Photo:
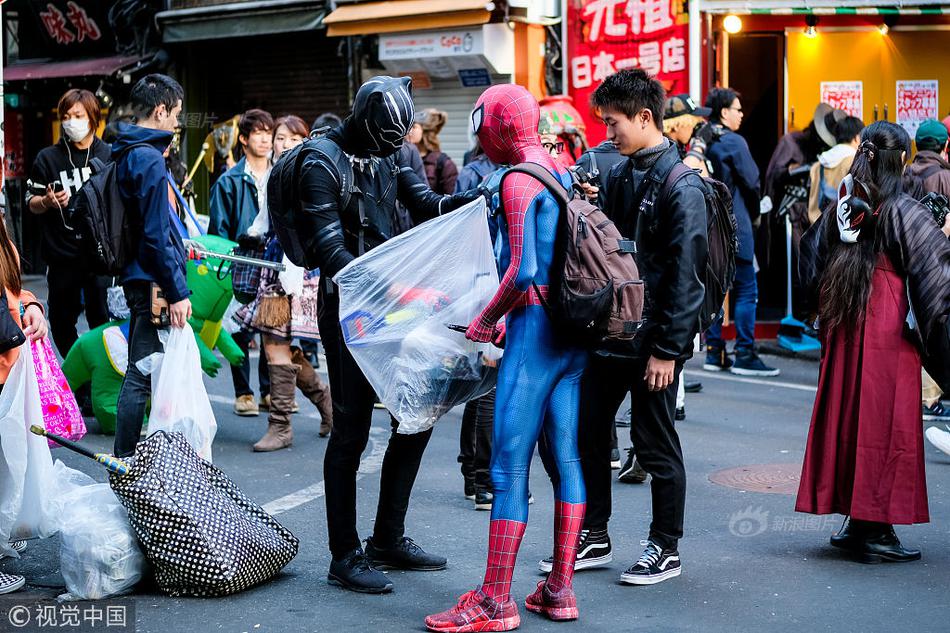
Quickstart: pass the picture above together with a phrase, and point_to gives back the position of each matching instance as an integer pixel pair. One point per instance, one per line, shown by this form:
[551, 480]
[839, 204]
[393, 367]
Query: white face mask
[76, 129]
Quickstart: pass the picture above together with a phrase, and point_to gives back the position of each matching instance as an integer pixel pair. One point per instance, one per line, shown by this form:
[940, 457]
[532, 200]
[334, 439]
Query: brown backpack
[595, 294]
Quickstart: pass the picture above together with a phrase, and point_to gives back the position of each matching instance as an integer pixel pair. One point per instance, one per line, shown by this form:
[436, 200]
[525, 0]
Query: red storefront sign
[604, 36]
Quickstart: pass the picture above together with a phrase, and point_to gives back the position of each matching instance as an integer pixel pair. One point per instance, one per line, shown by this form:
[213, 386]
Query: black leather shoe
[353, 572]
[405, 554]
[884, 546]
[848, 537]
[693, 386]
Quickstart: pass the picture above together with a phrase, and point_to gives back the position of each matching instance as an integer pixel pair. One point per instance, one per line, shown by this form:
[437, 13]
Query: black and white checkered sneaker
[10, 583]
[655, 565]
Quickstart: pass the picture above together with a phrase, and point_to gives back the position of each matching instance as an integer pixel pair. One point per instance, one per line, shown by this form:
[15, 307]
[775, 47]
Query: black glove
[251, 242]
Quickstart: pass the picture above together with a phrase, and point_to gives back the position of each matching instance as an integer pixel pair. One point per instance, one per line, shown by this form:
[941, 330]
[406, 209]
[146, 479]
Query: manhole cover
[779, 479]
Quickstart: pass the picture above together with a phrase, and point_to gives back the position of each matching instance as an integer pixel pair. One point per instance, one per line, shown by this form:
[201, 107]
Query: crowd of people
[866, 243]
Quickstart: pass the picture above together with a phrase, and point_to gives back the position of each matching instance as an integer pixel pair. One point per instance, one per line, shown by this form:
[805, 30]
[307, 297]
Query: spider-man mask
[505, 120]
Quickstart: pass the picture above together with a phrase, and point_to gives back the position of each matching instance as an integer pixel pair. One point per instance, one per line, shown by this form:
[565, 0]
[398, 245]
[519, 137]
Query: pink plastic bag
[61, 413]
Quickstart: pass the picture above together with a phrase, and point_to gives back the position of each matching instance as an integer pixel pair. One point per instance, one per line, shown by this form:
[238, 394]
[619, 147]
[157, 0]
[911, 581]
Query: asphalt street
[749, 562]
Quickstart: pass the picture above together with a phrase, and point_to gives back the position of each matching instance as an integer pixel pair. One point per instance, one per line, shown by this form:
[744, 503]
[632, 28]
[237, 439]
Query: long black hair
[846, 282]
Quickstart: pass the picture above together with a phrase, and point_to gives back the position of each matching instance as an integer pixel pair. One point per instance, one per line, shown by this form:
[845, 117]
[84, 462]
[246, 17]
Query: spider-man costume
[538, 383]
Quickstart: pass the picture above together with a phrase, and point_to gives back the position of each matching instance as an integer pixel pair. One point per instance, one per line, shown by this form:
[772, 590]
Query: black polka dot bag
[202, 535]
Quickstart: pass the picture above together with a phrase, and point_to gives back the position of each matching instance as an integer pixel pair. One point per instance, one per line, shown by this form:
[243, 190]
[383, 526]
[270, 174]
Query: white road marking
[752, 381]
[370, 464]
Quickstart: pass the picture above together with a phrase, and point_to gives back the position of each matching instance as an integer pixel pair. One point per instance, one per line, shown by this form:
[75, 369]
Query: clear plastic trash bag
[179, 400]
[27, 479]
[396, 303]
[99, 554]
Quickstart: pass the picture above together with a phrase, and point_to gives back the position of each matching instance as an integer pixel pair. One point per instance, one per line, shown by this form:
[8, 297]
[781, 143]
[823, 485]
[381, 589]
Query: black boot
[354, 572]
[882, 545]
[405, 554]
[849, 536]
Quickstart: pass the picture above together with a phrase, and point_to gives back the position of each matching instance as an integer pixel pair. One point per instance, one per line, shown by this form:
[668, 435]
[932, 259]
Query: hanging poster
[844, 95]
[916, 101]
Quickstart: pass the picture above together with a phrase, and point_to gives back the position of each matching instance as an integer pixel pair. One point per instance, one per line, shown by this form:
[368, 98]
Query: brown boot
[317, 391]
[282, 386]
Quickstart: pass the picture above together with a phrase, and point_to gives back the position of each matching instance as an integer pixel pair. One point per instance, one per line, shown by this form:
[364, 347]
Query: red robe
[865, 452]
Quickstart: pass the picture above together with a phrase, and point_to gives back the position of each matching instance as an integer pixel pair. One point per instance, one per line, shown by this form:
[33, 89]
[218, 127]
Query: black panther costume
[348, 188]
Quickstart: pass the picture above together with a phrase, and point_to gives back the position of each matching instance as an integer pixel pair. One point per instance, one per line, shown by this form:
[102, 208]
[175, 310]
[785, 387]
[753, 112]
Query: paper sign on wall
[844, 95]
[916, 101]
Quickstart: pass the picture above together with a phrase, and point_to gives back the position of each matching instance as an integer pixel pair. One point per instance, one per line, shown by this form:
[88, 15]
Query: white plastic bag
[99, 554]
[27, 482]
[179, 401]
[396, 303]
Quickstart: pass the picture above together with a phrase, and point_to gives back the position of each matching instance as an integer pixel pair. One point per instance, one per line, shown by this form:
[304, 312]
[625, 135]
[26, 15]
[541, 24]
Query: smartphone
[57, 186]
[161, 316]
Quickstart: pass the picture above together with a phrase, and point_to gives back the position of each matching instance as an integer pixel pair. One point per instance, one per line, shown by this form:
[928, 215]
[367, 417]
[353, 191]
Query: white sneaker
[939, 438]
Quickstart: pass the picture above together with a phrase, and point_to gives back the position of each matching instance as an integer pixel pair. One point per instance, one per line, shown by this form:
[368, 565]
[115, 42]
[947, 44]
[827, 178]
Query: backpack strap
[680, 170]
[558, 190]
[546, 178]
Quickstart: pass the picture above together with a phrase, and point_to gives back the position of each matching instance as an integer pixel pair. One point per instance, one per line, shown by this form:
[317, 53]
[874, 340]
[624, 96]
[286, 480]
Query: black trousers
[603, 388]
[136, 387]
[352, 418]
[241, 374]
[71, 289]
[475, 441]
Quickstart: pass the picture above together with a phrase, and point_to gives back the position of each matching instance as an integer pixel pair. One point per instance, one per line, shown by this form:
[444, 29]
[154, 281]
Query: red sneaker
[554, 606]
[476, 612]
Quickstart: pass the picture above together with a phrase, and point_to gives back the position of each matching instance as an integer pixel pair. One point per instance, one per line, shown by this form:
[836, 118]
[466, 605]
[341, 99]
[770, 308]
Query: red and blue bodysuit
[539, 379]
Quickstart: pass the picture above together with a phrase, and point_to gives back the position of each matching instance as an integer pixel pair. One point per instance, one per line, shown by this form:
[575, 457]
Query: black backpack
[283, 196]
[722, 236]
[106, 235]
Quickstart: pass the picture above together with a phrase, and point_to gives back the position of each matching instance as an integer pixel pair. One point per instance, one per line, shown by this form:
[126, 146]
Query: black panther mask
[382, 116]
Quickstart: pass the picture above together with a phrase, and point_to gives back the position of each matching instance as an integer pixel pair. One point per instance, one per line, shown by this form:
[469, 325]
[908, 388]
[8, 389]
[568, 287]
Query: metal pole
[695, 52]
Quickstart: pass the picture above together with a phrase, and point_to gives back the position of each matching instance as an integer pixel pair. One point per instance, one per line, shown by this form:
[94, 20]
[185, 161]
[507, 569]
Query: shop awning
[406, 15]
[822, 7]
[240, 19]
[99, 66]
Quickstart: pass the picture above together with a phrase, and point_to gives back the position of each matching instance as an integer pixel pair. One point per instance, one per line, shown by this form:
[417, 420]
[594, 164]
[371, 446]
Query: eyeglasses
[557, 147]
[739, 109]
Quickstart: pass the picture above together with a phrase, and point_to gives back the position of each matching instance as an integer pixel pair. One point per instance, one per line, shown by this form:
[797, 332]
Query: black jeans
[603, 388]
[241, 374]
[136, 387]
[352, 418]
[71, 288]
[475, 441]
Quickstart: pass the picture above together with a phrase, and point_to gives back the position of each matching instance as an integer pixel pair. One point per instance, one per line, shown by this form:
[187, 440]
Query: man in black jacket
[370, 138]
[672, 251]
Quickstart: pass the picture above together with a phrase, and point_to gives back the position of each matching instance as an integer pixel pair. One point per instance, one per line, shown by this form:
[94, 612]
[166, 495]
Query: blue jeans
[746, 295]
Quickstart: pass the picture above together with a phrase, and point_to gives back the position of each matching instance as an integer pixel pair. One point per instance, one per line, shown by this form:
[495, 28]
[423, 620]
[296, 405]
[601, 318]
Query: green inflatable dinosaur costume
[101, 355]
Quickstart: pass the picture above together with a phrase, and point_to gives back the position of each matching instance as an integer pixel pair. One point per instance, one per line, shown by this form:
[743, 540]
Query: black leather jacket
[672, 250]
[332, 232]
